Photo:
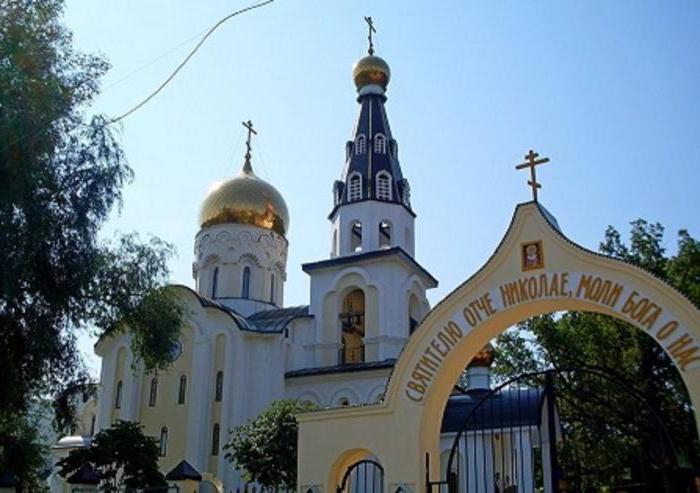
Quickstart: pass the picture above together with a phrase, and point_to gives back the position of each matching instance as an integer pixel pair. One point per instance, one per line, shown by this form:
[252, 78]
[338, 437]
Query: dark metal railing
[351, 356]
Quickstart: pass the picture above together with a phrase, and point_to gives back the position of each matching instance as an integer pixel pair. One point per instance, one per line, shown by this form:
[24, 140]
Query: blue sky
[610, 91]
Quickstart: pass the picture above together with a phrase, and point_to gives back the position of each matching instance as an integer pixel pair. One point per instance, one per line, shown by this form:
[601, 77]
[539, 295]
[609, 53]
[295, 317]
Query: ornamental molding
[234, 244]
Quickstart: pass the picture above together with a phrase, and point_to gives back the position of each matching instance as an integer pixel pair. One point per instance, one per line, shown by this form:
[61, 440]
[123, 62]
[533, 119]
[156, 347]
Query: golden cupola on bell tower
[241, 248]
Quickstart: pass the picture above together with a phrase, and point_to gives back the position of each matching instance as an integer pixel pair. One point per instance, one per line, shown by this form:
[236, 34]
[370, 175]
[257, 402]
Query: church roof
[326, 370]
[371, 151]
[504, 409]
[84, 475]
[184, 470]
[277, 319]
[272, 321]
[373, 254]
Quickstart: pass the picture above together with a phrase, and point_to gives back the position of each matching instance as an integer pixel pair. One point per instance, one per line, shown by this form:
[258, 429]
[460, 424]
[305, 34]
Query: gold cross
[368, 20]
[531, 162]
[247, 167]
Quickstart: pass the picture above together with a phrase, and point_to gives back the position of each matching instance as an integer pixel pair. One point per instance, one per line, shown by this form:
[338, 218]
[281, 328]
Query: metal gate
[528, 435]
[365, 476]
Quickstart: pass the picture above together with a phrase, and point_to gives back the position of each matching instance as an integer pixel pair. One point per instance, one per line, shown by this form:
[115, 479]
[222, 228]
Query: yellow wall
[216, 413]
[167, 412]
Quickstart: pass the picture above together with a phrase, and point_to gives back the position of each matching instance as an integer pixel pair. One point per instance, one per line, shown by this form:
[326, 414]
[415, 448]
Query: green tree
[122, 456]
[265, 449]
[61, 175]
[595, 407]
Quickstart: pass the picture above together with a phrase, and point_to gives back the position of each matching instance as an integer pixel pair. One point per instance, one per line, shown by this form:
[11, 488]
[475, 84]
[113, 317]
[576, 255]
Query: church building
[241, 348]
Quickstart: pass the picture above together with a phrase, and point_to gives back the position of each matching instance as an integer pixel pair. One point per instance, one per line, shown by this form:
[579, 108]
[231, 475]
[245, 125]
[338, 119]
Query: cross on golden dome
[370, 24]
[247, 167]
[531, 162]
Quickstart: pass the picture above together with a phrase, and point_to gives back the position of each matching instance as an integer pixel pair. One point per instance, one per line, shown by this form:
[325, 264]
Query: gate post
[552, 432]
[452, 482]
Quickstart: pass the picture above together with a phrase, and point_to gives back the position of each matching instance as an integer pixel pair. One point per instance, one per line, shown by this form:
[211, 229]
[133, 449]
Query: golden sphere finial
[371, 70]
[484, 357]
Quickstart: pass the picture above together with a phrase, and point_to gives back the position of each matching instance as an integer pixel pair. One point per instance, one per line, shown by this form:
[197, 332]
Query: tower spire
[247, 167]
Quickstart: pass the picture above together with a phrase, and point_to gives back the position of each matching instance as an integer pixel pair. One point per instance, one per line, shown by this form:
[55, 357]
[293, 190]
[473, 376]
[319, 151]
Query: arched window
[348, 150]
[214, 282]
[356, 236]
[153, 394]
[245, 284]
[383, 185]
[182, 390]
[360, 144]
[352, 325]
[334, 247]
[380, 144]
[272, 288]
[118, 396]
[384, 234]
[215, 440]
[355, 187]
[163, 448]
[219, 386]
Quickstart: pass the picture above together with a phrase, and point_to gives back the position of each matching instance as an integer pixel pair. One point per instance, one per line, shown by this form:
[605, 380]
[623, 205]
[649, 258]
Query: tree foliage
[265, 449]
[61, 175]
[122, 456]
[594, 407]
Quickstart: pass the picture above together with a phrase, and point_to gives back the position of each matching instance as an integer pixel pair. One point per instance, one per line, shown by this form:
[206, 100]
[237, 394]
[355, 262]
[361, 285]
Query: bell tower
[370, 294]
[372, 199]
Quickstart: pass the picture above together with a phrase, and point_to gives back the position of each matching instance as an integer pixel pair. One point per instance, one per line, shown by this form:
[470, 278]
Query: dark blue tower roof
[372, 170]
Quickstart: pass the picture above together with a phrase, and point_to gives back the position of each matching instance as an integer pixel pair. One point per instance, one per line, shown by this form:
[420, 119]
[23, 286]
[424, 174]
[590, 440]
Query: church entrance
[534, 270]
[365, 476]
[560, 430]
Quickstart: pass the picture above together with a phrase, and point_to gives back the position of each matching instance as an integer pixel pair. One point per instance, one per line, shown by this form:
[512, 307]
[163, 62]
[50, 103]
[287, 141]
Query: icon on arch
[532, 255]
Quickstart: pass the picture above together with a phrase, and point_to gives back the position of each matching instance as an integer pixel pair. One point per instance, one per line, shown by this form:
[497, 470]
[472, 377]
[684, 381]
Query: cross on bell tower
[370, 24]
[247, 167]
[531, 162]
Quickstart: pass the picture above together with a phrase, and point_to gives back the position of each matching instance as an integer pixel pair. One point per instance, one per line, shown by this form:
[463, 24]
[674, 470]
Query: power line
[159, 88]
[6, 145]
[187, 59]
[258, 148]
[152, 61]
[229, 166]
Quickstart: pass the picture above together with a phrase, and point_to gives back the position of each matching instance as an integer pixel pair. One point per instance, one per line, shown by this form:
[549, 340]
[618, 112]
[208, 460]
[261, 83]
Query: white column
[224, 469]
[523, 454]
[105, 400]
[131, 393]
[237, 386]
[546, 467]
[199, 412]
[477, 469]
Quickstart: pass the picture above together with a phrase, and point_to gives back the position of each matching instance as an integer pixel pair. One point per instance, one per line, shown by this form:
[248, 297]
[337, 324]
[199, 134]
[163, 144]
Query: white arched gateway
[534, 270]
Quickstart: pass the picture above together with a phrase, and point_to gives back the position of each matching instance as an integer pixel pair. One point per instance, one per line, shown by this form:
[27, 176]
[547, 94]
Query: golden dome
[246, 199]
[371, 70]
[484, 357]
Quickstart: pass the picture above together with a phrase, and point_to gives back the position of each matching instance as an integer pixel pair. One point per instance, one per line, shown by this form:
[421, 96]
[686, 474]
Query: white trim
[355, 186]
[360, 144]
[384, 189]
[380, 143]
